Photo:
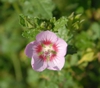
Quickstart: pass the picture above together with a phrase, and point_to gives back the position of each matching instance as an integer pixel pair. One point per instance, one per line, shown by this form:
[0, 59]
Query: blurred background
[81, 70]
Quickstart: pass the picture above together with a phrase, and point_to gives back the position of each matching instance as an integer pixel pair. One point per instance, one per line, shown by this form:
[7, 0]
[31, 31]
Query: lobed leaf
[38, 8]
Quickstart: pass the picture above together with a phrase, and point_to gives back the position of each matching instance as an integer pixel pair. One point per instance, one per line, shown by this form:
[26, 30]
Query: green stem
[17, 67]
[16, 7]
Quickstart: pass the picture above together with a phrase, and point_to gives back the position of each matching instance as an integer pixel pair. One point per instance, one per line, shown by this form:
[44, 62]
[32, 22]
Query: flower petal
[38, 64]
[62, 47]
[46, 35]
[56, 64]
[29, 50]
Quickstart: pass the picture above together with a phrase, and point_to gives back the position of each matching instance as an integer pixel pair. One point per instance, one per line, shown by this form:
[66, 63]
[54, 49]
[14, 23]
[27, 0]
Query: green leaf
[87, 57]
[83, 41]
[63, 33]
[39, 8]
[10, 1]
[25, 22]
[22, 20]
[30, 33]
[95, 31]
[52, 85]
[60, 23]
[32, 80]
[60, 28]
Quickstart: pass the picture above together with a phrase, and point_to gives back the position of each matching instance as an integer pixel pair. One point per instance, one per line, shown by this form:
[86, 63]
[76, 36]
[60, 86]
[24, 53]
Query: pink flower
[47, 51]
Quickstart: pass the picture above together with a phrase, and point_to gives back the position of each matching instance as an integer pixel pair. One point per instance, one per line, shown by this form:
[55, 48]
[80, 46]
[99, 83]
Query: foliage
[81, 30]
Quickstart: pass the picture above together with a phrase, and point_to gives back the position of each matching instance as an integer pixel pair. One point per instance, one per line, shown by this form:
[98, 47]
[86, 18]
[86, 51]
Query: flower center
[47, 50]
